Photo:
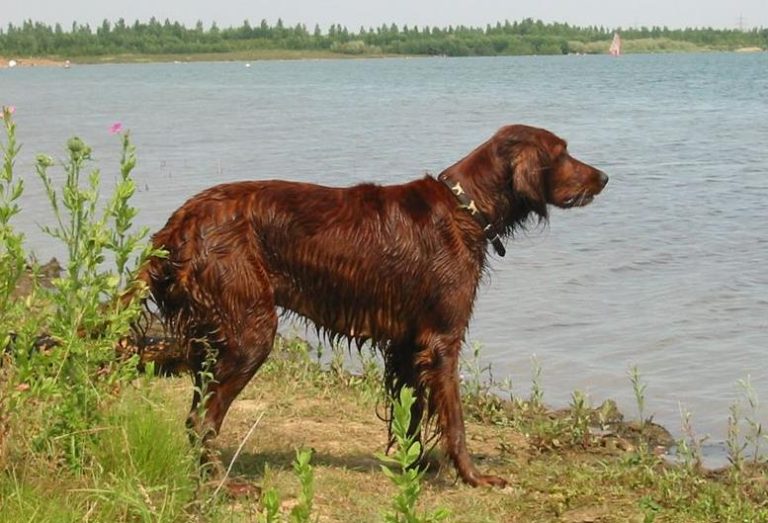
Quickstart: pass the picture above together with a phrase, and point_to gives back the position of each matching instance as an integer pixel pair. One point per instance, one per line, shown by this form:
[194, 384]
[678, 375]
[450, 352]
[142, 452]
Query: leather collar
[468, 204]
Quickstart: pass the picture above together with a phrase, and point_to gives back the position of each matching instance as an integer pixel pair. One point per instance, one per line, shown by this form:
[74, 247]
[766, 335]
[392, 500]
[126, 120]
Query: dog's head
[543, 172]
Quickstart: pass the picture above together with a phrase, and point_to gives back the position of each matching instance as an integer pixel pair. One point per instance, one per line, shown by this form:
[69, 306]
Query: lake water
[667, 270]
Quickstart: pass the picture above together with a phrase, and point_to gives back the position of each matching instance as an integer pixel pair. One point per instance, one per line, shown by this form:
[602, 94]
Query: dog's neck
[488, 182]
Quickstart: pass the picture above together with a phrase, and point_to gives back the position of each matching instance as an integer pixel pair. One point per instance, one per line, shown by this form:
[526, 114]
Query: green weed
[579, 418]
[401, 467]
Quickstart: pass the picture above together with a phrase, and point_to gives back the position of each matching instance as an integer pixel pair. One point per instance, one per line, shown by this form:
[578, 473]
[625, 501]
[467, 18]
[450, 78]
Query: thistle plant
[87, 314]
[12, 314]
[91, 235]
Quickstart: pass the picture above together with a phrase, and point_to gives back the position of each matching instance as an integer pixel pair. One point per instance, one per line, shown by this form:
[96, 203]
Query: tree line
[522, 37]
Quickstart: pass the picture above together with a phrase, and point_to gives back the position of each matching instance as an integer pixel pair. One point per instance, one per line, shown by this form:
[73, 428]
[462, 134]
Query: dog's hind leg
[440, 372]
[246, 326]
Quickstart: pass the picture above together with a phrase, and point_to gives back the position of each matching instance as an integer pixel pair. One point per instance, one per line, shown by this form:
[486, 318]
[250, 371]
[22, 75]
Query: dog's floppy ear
[527, 170]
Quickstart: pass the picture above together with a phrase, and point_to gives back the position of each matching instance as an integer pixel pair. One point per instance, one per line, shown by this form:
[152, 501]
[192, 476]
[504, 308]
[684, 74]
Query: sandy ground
[32, 62]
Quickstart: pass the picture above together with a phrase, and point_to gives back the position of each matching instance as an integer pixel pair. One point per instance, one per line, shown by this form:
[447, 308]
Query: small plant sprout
[689, 445]
[638, 387]
[198, 432]
[303, 470]
[733, 440]
[580, 411]
[537, 392]
[755, 435]
[472, 382]
[336, 365]
[270, 500]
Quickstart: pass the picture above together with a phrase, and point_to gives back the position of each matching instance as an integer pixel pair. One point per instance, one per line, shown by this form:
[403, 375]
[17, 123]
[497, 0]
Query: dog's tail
[140, 287]
[145, 339]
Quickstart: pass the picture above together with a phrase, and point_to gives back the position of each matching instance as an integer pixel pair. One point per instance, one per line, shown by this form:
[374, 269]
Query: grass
[141, 466]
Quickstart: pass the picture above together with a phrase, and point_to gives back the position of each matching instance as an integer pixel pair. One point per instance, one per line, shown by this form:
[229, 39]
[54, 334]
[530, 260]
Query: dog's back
[361, 262]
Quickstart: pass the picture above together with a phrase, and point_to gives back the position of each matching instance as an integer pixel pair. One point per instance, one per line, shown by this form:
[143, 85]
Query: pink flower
[11, 109]
[116, 128]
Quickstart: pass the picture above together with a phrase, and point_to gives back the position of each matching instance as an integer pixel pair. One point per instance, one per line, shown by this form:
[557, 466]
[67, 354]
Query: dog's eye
[555, 161]
[561, 158]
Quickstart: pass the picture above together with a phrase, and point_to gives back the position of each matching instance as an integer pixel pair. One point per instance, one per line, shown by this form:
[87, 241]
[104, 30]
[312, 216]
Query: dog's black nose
[603, 179]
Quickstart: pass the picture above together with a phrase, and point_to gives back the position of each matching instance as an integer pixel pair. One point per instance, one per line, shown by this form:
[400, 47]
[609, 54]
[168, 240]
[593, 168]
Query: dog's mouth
[579, 200]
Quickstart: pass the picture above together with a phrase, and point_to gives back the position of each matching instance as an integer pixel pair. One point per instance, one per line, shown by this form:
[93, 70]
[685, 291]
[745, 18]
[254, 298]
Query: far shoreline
[263, 55]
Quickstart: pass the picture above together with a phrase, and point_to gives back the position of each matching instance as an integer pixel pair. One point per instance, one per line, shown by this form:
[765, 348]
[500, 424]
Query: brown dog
[397, 265]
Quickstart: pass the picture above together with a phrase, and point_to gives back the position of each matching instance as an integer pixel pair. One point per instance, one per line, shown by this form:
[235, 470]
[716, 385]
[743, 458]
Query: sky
[728, 14]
